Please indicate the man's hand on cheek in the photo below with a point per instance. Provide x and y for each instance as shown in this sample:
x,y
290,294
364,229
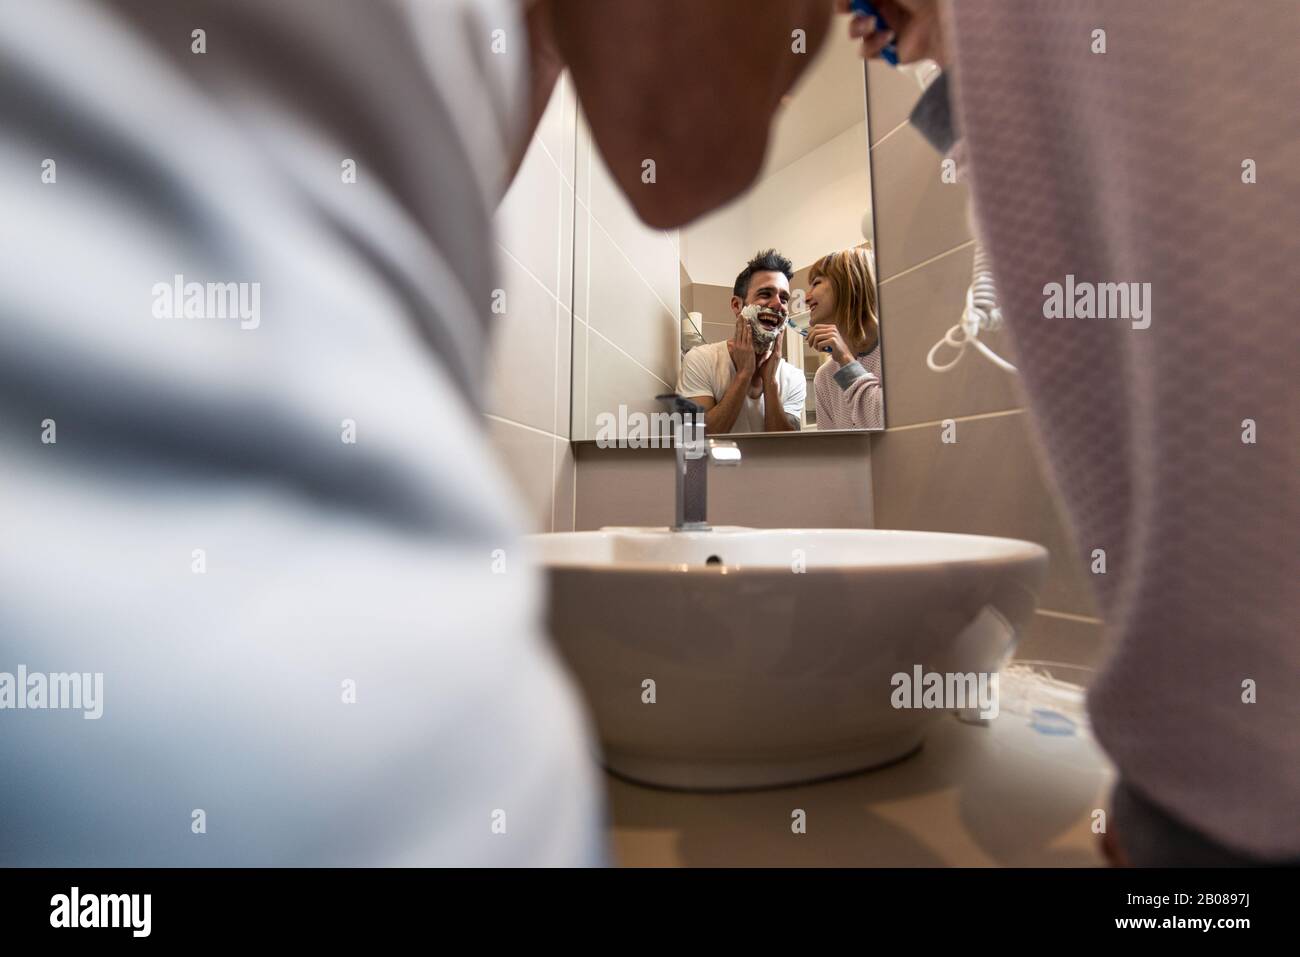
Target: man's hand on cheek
x,y
742,349
773,357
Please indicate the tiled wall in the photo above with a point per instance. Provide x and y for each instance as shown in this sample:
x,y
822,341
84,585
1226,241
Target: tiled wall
x,y
714,304
783,481
626,300
528,413
990,481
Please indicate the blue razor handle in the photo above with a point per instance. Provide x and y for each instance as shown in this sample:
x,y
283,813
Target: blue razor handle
x,y
890,53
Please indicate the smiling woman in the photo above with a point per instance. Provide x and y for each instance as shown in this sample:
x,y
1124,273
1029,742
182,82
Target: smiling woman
x,y
842,304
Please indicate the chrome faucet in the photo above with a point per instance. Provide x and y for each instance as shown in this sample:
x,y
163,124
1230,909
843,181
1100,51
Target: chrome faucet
x,y
694,451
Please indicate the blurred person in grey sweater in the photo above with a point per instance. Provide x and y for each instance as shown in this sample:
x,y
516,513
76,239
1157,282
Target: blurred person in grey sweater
x,y
1162,150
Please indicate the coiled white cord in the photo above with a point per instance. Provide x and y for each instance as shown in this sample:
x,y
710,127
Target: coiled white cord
x,y
981,313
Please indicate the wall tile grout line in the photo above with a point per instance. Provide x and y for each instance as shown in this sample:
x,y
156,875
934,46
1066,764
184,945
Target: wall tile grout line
x,y
616,346
558,168
628,259
555,351
921,265
586,303
522,425
529,273
872,146
956,418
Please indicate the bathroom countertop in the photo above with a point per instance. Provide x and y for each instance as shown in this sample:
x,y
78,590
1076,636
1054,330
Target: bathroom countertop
x,y
1007,793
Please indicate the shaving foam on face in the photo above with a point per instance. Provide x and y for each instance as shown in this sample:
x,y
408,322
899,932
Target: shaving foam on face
x,y
763,338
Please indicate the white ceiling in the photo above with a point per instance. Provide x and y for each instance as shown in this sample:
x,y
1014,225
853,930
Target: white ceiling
x,y
829,98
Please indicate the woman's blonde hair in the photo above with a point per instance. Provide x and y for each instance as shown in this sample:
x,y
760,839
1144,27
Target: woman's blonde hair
x,y
853,279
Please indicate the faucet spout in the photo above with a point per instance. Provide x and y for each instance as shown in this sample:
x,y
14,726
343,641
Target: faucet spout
x,y
693,454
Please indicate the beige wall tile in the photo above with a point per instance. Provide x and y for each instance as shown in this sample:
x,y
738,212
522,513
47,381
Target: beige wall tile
x,y
717,331
614,379
890,98
989,482
578,382
529,218
566,474
773,487
917,216
623,487
628,289
653,252
916,309
583,151
815,481
522,362
563,403
529,459
582,236
556,127
800,280
564,259
528,397
625,311
713,302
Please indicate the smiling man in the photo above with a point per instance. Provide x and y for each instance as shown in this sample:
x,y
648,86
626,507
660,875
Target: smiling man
x,y
743,383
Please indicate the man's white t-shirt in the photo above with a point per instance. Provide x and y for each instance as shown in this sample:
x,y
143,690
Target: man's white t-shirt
x,y
708,370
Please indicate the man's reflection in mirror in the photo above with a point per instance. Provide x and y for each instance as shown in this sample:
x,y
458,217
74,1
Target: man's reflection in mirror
x,y
743,382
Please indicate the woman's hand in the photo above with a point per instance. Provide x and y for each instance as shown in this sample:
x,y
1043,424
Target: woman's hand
x,y
826,334
915,24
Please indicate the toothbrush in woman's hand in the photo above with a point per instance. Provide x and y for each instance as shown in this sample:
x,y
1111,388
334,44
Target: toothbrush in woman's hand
x,y
803,332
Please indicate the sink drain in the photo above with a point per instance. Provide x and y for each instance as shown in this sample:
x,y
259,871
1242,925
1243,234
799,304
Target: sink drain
x,y
713,560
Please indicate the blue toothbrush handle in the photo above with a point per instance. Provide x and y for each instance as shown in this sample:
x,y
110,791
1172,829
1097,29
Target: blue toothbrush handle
x,y
804,333
890,53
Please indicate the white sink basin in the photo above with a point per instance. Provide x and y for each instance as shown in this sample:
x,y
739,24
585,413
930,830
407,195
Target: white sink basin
x,y
772,651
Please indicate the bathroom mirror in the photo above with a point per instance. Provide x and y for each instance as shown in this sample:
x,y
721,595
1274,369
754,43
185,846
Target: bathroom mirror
x,y
800,244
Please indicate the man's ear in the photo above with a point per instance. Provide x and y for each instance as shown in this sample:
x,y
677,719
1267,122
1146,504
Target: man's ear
x,y
736,305
679,94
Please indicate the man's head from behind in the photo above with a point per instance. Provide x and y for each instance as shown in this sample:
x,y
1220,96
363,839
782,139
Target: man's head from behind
x,y
618,53
765,283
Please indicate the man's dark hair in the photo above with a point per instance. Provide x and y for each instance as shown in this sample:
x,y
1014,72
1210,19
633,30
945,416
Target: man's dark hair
x,y
767,260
